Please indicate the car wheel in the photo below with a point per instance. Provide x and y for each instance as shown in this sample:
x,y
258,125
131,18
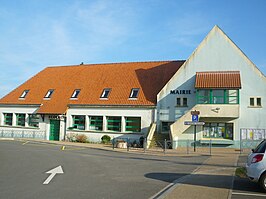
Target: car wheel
x,y
262,182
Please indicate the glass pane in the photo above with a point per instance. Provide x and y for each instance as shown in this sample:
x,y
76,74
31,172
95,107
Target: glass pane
x,y
251,100
133,124
218,96
114,123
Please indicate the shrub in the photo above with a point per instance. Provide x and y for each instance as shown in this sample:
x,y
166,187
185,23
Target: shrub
x,y
81,138
106,139
71,137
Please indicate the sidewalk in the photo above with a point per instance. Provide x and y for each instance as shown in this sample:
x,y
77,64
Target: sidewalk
x,y
213,179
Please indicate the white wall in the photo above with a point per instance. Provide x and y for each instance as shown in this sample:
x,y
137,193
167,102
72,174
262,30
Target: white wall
x,y
24,110
146,114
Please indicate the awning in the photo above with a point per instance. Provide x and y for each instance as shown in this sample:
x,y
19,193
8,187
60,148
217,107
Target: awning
x,y
218,80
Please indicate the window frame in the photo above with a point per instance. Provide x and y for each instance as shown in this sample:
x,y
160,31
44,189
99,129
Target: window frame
x,y
20,119
75,94
215,126
134,93
79,121
34,123
133,124
105,93
255,102
49,94
8,118
98,123
24,94
111,123
209,96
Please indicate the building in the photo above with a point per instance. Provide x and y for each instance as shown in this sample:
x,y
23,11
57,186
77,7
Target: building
x,y
217,81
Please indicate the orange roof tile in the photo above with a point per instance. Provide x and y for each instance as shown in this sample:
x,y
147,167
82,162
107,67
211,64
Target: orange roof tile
x,y
218,79
91,79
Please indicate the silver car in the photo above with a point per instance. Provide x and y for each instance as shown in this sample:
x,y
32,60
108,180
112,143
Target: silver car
x,y
256,165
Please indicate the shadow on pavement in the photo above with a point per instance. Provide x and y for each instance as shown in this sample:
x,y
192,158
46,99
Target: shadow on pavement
x,y
211,181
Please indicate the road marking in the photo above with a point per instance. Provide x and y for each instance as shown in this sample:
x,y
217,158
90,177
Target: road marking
x,y
248,194
53,172
25,142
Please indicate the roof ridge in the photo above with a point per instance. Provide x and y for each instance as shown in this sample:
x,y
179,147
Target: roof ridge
x,y
133,62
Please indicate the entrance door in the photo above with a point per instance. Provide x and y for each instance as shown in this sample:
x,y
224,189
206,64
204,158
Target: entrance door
x,y
54,129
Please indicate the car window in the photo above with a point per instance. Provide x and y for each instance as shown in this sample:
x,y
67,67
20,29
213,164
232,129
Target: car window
x,y
261,147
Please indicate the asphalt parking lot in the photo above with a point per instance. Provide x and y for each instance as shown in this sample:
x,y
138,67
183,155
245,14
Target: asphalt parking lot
x,y
243,187
88,173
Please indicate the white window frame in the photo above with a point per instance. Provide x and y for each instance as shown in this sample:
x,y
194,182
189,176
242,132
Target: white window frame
x,y
75,94
133,90
49,94
24,94
105,94
255,102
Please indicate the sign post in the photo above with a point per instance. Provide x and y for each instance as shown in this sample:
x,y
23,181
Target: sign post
x,y
195,122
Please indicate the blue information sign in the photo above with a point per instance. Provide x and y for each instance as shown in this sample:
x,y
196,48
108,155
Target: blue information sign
x,y
195,118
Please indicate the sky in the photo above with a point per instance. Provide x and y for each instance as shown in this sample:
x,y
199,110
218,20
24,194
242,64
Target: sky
x,y
35,34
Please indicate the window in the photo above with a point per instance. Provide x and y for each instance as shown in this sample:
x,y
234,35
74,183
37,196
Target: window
x,y
24,94
203,96
251,101
79,122
134,93
178,101
34,120
20,119
75,94
8,117
49,93
185,101
181,101
232,97
133,124
96,123
218,130
255,102
114,124
217,96
258,101
105,93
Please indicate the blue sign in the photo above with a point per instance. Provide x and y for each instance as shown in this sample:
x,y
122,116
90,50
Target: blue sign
x,y
195,118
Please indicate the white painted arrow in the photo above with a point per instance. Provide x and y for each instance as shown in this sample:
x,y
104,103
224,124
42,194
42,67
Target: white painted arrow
x,y
53,172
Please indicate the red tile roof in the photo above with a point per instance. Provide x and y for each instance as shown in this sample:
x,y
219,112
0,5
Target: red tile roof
x,y
218,79
91,79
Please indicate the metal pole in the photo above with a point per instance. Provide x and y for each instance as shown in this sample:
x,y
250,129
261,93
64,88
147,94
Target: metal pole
x,y
187,146
113,143
210,146
240,143
195,131
127,144
164,146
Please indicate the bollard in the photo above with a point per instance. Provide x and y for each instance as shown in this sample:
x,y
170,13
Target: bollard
x,y
145,144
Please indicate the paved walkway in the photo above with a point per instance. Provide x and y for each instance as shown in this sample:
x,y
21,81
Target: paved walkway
x,y
213,179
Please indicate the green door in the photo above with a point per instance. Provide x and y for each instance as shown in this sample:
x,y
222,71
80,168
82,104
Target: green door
x,y
54,129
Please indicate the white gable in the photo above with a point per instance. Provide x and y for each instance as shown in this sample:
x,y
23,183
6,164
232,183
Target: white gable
x,y
215,53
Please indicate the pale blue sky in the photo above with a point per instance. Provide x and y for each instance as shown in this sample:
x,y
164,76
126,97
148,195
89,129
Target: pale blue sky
x,y
40,33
